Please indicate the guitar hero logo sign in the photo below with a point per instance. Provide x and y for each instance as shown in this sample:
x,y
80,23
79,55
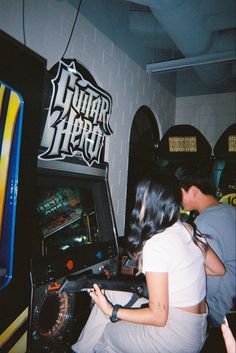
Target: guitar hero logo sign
x,y
79,115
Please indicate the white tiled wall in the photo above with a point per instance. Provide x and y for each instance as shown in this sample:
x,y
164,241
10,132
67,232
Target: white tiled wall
x,y
48,24
211,114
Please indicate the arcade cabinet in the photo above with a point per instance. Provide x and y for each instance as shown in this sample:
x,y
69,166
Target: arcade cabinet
x,y
181,144
21,91
224,169
75,236
75,246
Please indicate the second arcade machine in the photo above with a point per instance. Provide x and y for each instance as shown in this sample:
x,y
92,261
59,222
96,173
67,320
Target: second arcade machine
x,y
224,170
21,96
181,144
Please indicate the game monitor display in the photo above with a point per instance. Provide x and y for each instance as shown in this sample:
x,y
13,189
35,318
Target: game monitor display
x,y
67,218
74,223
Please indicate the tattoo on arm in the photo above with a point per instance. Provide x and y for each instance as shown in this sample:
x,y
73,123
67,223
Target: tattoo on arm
x,y
159,307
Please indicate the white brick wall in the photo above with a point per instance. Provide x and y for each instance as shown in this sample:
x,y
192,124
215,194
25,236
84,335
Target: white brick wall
x,y
48,24
212,114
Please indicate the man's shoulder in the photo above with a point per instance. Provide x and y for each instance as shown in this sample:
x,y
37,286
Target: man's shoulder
x,y
219,208
217,213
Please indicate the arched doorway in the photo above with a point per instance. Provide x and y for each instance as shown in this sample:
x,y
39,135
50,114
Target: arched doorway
x,y
144,139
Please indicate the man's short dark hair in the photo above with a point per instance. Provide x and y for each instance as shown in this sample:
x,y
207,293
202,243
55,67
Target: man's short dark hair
x,y
197,174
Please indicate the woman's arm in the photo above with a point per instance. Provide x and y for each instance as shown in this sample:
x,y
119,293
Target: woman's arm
x,y
157,312
214,266
229,339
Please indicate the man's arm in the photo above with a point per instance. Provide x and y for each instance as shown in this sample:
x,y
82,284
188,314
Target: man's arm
x,y
213,265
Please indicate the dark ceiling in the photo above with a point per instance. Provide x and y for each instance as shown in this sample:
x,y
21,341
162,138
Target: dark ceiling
x,y
196,38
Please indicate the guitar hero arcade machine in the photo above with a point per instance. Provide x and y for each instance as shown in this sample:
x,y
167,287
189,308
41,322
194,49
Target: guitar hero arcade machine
x,y
75,232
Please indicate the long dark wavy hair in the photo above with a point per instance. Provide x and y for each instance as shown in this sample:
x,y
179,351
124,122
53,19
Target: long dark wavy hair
x,y
157,206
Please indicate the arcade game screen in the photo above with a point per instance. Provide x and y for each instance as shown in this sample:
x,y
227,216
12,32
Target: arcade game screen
x,y
66,218
73,221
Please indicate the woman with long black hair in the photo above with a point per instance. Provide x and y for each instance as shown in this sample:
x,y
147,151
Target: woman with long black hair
x,y
175,260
